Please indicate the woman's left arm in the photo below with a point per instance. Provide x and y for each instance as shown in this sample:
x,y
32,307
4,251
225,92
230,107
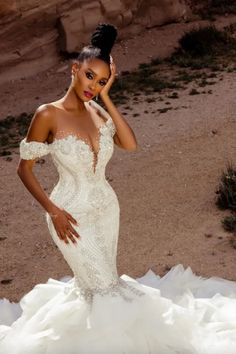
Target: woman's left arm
x,y
124,136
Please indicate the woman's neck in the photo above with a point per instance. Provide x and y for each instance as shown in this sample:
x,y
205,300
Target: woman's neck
x,y
72,102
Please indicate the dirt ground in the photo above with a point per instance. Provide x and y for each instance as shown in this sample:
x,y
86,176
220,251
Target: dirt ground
x,y
166,188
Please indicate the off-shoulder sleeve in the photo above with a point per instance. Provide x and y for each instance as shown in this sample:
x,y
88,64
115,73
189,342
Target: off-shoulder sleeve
x,y
106,115
33,149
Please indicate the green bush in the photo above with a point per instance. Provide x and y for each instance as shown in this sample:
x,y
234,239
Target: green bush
x,y
229,223
204,41
203,47
227,189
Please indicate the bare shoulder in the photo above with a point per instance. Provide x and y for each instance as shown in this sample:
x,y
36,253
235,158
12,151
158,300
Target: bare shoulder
x,y
44,112
42,123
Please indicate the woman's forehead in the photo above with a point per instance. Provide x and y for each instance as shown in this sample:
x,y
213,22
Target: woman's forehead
x,y
98,66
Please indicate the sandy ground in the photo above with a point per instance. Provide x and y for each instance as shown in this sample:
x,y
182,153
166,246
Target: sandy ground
x,y
166,189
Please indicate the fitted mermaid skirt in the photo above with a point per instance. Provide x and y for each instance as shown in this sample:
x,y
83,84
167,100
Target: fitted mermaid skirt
x,y
97,311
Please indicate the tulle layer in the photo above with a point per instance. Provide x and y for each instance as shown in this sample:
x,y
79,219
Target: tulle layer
x,y
180,313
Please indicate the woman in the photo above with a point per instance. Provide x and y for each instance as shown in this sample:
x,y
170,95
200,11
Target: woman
x,y
97,311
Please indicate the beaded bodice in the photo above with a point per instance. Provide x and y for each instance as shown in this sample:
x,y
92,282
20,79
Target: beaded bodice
x,y
81,170
83,191
70,143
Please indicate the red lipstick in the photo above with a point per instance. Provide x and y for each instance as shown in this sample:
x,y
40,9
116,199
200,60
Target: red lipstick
x,y
88,94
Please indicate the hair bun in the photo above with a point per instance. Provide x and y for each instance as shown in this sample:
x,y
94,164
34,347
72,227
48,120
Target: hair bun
x,y
104,37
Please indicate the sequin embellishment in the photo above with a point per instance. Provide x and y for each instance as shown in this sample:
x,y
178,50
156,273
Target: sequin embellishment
x,y
83,191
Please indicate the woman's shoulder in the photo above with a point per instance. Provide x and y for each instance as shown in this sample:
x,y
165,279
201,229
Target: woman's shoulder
x,y
46,110
44,116
41,124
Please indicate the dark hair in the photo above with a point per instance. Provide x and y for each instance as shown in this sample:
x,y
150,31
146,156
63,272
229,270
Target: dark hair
x,y
102,41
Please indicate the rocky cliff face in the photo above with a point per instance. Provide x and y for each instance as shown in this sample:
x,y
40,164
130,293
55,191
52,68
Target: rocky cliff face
x,y
32,32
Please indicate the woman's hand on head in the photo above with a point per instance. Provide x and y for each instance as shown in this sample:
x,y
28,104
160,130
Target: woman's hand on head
x,y
105,90
62,222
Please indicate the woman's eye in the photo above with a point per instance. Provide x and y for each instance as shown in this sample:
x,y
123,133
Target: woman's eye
x,y
102,83
89,76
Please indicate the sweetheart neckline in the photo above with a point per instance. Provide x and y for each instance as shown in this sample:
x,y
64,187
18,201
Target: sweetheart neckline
x,y
93,152
78,138
96,154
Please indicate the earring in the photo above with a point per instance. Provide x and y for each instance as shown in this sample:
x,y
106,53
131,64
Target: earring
x,y
96,97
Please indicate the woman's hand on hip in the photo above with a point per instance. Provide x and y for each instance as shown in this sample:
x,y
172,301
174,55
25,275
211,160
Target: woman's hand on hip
x,y
62,221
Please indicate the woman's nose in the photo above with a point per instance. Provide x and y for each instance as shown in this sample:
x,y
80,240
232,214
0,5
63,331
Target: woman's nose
x,y
92,85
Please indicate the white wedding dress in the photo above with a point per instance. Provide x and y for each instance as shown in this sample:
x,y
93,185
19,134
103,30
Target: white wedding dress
x,y
98,311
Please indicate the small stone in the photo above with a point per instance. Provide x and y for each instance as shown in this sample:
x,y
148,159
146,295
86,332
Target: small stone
x,y
6,281
208,235
169,253
8,158
167,267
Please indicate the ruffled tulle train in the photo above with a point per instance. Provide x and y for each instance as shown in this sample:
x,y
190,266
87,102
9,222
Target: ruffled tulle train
x,y
181,313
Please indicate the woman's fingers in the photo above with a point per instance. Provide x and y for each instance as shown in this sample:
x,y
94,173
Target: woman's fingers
x,y
73,231
70,233
113,68
70,217
62,236
66,235
64,228
70,236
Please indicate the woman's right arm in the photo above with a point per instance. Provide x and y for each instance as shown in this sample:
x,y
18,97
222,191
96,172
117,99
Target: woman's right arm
x,y
38,131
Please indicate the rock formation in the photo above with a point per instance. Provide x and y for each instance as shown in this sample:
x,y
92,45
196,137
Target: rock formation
x,y
33,32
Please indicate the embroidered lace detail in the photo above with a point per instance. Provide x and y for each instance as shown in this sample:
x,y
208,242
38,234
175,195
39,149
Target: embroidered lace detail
x,y
84,192
105,114
83,150
118,287
32,149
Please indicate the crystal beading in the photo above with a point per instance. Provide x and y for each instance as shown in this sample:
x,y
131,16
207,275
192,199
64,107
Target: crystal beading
x,y
83,191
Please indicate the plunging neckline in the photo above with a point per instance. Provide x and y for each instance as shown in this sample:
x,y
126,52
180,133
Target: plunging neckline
x,y
90,148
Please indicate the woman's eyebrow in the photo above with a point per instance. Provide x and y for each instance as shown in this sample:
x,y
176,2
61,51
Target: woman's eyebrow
x,y
104,78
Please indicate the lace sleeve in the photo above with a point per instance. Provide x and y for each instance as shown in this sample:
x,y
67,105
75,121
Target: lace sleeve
x,y
33,149
106,115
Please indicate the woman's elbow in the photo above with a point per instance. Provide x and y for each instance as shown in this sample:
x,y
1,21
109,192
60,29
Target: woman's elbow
x,y
19,169
20,172
132,147
23,167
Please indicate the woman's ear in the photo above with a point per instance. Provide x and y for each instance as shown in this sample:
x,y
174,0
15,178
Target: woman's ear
x,y
75,67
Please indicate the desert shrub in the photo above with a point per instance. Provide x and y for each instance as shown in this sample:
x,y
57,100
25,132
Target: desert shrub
x,y
204,41
222,6
231,29
226,192
146,78
200,48
194,92
229,223
12,129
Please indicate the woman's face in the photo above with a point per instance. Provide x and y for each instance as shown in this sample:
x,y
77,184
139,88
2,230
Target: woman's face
x,y
90,77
